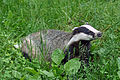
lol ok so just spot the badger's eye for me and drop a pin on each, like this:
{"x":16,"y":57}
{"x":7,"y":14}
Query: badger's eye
{"x":75,"y":32}
{"x":88,"y":32}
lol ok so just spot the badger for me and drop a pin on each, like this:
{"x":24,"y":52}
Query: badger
{"x":74,"y":44}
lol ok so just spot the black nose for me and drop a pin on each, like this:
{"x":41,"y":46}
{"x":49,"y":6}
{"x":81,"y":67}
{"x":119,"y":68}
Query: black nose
{"x":99,"y":34}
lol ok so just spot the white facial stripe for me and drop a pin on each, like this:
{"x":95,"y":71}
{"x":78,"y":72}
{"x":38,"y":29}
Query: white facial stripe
{"x":91,"y":28}
{"x":78,"y":37}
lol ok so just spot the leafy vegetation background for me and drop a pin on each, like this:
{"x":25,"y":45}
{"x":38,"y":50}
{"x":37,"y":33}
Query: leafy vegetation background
{"x":18,"y":18}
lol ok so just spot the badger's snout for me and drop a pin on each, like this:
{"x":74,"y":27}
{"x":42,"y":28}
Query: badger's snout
{"x":99,"y":34}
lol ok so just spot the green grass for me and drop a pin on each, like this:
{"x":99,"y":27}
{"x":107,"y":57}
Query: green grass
{"x":18,"y":18}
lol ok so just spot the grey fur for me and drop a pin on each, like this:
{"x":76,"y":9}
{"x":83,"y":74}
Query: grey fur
{"x":51,"y":40}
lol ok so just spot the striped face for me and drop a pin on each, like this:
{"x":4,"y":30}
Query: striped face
{"x":84,"y":32}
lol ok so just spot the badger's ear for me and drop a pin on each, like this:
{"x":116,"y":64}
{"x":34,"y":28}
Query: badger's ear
{"x":74,"y":28}
{"x":87,"y":23}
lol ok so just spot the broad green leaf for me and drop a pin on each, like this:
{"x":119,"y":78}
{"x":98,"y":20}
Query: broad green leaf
{"x":57,"y":56}
{"x":49,"y":74}
{"x":72,"y":66}
{"x":16,"y":74}
{"x":118,"y":73}
{"x":31,"y":70}
{"x":30,"y":77}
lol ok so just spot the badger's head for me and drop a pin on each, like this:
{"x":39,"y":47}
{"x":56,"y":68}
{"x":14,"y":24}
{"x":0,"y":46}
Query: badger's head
{"x":84,"y":32}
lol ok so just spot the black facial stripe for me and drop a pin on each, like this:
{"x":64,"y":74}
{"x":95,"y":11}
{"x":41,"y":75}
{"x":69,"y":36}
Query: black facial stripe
{"x":83,"y":30}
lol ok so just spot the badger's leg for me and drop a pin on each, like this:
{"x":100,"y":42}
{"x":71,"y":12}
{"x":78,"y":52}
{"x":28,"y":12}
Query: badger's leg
{"x":87,"y":57}
{"x":26,"y":56}
{"x":66,"y":57}
{"x":68,"y":54}
{"x":87,"y":53}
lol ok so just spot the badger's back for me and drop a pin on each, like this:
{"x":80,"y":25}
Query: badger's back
{"x":45,"y":42}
